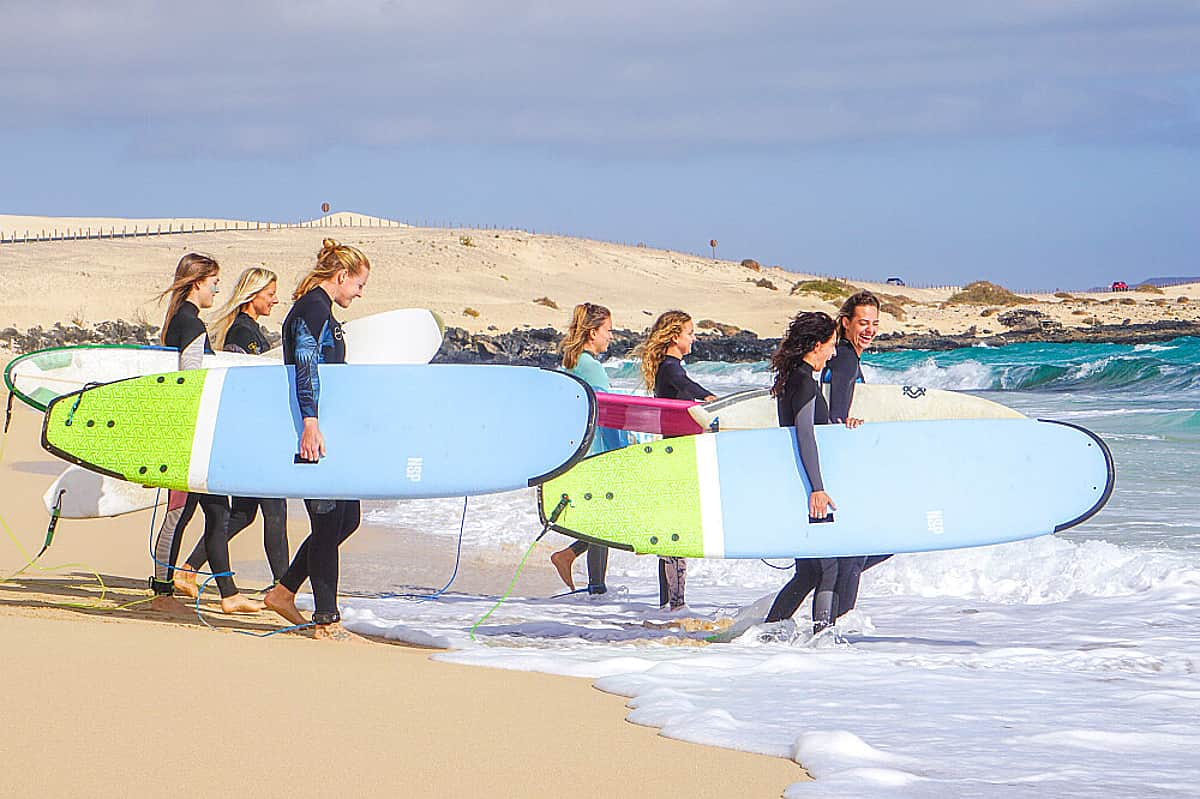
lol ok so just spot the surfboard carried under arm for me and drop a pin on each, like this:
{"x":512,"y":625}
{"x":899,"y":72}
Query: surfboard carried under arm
{"x":390,"y":431}
{"x":926,"y":486}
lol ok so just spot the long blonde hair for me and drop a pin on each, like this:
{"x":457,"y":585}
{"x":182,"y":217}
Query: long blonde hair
{"x":252,"y":281}
{"x":192,"y":269}
{"x":584,"y":319}
{"x":332,"y":259}
{"x":652,"y":351}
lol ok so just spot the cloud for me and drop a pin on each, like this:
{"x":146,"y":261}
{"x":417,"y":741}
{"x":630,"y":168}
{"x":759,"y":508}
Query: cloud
{"x":635,"y":78}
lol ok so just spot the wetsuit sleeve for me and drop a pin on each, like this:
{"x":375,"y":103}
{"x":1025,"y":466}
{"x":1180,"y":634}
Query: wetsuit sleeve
{"x":843,"y":374}
{"x":672,"y":374}
{"x":308,"y":383}
{"x":193,"y":345}
{"x":806,"y":440}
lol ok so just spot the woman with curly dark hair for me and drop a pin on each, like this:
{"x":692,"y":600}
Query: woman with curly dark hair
{"x":805,"y":350}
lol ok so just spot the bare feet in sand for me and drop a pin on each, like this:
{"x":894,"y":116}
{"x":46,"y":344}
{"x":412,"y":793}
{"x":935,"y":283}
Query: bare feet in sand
{"x":283,"y":602}
{"x":185,"y":583}
{"x":240,"y":604}
{"x":562,"y":560}
{"x":335,"y":632}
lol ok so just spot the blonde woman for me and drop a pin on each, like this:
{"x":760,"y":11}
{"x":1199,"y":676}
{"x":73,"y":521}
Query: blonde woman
{"x":311,"y":336}
{"x":236,"y":329}
{"x":668,"y":343}
{"x":588,"y":336}
{"x":194,"y":287}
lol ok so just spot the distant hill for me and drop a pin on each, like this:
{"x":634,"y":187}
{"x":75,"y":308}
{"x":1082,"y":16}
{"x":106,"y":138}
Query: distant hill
{"x":1154,"y":281}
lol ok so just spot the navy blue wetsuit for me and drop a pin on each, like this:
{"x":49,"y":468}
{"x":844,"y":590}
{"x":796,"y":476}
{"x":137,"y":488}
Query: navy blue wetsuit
{"x":672,"y":382}
{"x":842,"y":374}
{"x":187,"y":333}
{"x":311,"y":336}
{"x":246,"y":335}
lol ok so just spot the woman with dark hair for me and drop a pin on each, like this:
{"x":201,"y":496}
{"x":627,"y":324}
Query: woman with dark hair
{"x":805,"y":349}
{"x":857,"y":324}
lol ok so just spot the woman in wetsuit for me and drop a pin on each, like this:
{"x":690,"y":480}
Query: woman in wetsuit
{"x":196,"y":279}
{"x":311,"y":336}
{"x":669,"y":342}
{"x":588,"y":336}
{"x":857,"y":324}
{"x":805,"y":349}
{"x":237,"y":330}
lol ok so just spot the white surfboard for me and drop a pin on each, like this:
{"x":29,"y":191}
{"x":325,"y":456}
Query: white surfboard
{"x":755,"y":409}
{"x":83,"y":494}
{"x":402,"y":336}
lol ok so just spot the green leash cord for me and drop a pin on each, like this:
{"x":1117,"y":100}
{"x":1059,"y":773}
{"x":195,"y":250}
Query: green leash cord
{"x":558,"y":509}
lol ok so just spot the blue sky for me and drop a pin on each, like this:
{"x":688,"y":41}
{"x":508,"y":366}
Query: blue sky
{"x":1037,"y":144}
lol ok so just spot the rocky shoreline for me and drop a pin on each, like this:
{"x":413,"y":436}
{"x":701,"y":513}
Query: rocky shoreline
{"x":539,"y":346}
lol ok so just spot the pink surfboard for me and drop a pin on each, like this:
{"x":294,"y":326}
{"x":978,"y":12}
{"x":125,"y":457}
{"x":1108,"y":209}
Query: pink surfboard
{"x":665,"y":417}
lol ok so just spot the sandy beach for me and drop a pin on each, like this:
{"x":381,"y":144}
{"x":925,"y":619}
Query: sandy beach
{"x":136,"y":700}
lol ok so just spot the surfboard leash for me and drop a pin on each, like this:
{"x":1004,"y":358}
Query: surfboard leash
{"x":457,"y":558}
{"x":558,"y":509}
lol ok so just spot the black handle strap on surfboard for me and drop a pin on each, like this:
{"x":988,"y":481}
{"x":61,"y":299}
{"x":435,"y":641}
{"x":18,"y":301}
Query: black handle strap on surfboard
{"x":8,"y":412}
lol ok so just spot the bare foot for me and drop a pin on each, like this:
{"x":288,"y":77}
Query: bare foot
{"x":185,"y":583}
{"x":165,"y":603}
{"x":240,"y":604}
{"x":283,"y":602}
{"x":562,"y":560}
{"x":335,"y":632}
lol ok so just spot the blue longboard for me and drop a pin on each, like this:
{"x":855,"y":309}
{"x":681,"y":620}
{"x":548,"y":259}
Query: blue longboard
{"x":899,"y":487}
{"x":390,"y":431}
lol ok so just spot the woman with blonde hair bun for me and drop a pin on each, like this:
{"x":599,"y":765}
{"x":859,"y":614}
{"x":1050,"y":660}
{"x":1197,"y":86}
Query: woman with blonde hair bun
{"x":236,"y":329}
{"x":312,"y":336}
{"x":662,"y":353}
{"x":588,"y":336}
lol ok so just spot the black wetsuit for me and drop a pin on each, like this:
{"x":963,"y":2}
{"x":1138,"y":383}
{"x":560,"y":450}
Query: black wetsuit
{"x":246,"y":335}
{"x":186,"y":333}
{"x":311,"y":336}
{"x":842,"y":374}
{"x":672,"y":382}
{"x":801,"y":406}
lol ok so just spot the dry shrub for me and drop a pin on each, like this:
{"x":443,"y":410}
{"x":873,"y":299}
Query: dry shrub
{"x":1182,"y":300}
{"x":1064,"y":295}
{"x":981,"y":292}
{"x":1127,"y":301}
{"x":895,"y":309}
{"x":1147,"y":288}
{"x":549,"y":303}
{"x":762,"y":282}
{"x":721,"y":327}
{"x":825,"y":288}
{"x":1079,"y":312}
{"x":469,"y":311}
{"x":752,"y":264}
{"x":988,"y":311}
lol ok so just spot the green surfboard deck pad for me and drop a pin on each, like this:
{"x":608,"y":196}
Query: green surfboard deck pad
{"x":619,"y":494}
{"x":131,"y":427}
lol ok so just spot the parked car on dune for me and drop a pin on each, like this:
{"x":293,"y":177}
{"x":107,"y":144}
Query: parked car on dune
{"x":895,"y":281}
{"x":1120,"y":285}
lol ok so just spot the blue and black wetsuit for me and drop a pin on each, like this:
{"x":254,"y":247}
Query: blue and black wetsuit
{"x":187,"y":333}
{"x":801,"y":406}
{"x":311,"y":336}
{"x":246,"y":335}
{"x":672,"y":382}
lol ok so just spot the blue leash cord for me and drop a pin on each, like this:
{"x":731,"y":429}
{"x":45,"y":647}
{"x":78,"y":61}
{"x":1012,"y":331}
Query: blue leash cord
{"x":457,"y":557}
